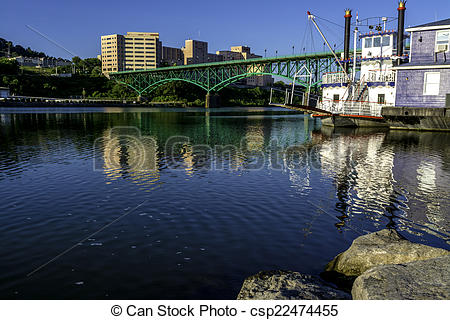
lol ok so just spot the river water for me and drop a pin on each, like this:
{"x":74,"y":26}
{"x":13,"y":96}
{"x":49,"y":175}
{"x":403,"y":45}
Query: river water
{"x":171,"y":204}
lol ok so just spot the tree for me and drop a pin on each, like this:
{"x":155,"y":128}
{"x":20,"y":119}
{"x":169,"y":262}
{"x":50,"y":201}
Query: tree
{"x":96,"y":71}
{"x":8,"y":66}
{"x":77,"y":61}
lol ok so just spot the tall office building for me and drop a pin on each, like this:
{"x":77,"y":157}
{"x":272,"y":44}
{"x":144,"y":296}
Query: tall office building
{"x":133,"y":51}
{"x":113,"y":53}
{"x":143,"y":50}
{"x":195,"y":52}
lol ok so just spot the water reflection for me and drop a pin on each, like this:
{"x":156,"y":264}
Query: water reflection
{"x":129,"y":155}
{"x":225,"y":198}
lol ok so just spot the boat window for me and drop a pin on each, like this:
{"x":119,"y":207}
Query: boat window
{"x":386,"y":41}
{"x":335,"y":97}
{"x":368,"y":43}
{"x":377,"y":42}
{"x":381,"y":98}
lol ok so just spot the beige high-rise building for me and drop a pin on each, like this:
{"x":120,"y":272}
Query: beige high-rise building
{"x":133,"y":51}
{"x":113,"y":53}
{"x":195,"y":52}
{"x":143,"y":51}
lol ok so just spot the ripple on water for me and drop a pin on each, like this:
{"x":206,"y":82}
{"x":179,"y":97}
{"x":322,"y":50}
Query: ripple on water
{"x":181,"y":230}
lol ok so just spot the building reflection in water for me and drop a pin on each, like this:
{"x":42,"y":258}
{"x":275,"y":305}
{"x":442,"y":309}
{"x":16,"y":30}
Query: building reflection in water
{"x":377,"y":177}
{"x":389,"y":178}
{"x":131,"y":157}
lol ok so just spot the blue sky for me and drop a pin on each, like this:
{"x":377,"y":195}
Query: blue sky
{"x":272,"y":25}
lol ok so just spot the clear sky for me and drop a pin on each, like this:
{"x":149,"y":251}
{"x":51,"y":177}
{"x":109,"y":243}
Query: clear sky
{"x":260,"y":24}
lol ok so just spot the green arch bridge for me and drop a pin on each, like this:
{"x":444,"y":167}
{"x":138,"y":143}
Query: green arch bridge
{"x":305,"y":70}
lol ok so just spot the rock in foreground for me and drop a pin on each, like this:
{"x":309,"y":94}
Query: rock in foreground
{"x":380,"y":248}
{"x":286,"y":285}
{"x":420,"y":280}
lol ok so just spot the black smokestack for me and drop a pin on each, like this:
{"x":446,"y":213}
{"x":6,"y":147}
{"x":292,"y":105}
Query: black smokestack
{"x":348,"y":18}
{"x":401,"y":27}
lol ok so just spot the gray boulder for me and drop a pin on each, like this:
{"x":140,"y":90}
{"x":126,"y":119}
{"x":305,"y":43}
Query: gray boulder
{"x":420,"y":280}
{"x":286,"y":285}
{"x":380,"y":248}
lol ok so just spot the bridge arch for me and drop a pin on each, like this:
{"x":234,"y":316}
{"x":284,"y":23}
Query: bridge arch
{"x":160,"y":83}
{"x":216,"y":88}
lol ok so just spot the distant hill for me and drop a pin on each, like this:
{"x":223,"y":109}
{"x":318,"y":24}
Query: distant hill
{"x":18,"y":50}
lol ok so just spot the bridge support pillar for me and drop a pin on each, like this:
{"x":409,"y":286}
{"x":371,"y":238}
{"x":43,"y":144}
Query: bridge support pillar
{"x":212,"y":100}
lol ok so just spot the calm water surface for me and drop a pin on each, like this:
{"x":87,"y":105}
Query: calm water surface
{"x":190,"y":218}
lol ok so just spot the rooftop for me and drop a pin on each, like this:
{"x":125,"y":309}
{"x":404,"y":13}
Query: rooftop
{"x":445,"y":22}
{"x":431,"y":25}
{"x":433,"y":65}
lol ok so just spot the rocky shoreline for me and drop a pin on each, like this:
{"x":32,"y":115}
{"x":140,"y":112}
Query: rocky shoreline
{"x":377,"y":266}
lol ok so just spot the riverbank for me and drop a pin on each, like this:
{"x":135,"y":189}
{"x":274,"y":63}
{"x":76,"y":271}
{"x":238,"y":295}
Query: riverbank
{"x":23,"y":102}
{"x":382,"y":266}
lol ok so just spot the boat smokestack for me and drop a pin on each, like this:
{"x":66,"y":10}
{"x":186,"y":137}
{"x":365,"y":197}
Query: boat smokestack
{"x":348,"y":19}
{"x":401,"y":27}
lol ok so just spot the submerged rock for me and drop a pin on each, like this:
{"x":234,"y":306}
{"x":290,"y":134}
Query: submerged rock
{"x":380,"y":248}
{"x":420,"y":280}
{"x":286,"y":285}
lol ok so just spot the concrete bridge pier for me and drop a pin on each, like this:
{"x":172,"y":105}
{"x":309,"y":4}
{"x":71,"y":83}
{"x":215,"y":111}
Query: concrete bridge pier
{"x":212,"y":100}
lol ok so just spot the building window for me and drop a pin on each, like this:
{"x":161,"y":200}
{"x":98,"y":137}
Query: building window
{"x":381,"y":98}
{"x":442,"y":41}
{"x":368,"y":43}
{"x":431,"y":83}
{"x":377,"y":42}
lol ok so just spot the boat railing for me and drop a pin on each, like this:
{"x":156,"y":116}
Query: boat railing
{"x":334,"y":77}
{"x":349,"y":107}
{"x":381,"y":76}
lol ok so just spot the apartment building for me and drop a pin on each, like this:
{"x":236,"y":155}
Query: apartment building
{"x":133,"y":51}
{"x":214,"y":58}
{"x":244,"y":53}
{"x":172,"y":56}
{"x":228,"y":55}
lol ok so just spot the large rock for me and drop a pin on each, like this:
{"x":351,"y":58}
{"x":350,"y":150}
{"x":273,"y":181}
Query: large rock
{"x":420,"y":280}
{"x":379,"y":248}
{"x":286,"y":285}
